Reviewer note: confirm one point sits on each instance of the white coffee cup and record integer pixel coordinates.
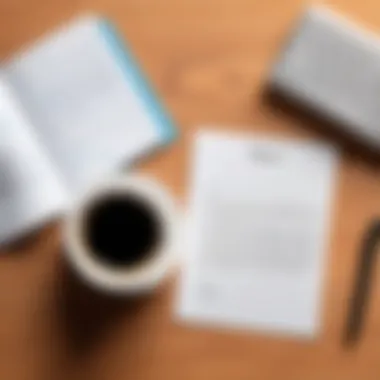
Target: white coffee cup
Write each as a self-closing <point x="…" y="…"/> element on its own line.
<point x="140" y="277"/>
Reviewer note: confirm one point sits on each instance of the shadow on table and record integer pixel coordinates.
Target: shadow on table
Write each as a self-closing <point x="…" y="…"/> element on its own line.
<point x="277" y="104"/>
<point x="86" y="317"/>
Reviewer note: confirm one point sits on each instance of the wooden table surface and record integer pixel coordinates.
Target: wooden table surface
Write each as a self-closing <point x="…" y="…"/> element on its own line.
<point x="208" y="60"/>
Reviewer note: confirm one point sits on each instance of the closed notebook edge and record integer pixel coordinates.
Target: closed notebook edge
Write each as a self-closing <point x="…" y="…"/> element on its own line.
<point x="125" y="59"/>
<point x="281" y="79"/>
<point x="312" y="13"/>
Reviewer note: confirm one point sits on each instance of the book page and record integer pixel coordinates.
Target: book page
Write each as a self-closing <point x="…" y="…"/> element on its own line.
<point x="258" y="222"/>
<point x="86" y="101"/>
<point x="30" y="189"/>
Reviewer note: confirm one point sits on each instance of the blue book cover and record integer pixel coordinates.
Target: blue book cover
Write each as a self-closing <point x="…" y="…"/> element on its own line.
<point x="134" y="76"/>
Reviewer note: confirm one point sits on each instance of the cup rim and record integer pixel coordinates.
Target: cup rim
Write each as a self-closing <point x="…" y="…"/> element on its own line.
<point x="135" y="278"/>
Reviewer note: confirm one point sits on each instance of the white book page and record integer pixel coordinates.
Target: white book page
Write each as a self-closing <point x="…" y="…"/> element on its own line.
<point x="30" y="189"/>
<point x="85" y="110"/>
<point x="259" y="214"/>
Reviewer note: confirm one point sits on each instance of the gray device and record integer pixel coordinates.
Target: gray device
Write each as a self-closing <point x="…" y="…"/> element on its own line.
<point x="333" y="67"/>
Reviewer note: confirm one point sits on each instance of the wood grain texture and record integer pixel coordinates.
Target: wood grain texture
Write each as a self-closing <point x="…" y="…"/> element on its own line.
<point x="208" y="60"/>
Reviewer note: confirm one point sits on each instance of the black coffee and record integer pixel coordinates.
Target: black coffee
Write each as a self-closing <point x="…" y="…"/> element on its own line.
<point x="122" y="230"/>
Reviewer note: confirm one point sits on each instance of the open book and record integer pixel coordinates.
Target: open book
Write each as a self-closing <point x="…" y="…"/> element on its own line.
<point x="72" y="108"/>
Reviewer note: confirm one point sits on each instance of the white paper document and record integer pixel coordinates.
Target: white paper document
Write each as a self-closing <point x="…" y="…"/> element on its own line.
<point x="257" y="230"/>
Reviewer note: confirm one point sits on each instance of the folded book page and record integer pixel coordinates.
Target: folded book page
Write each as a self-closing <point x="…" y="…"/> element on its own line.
<point x="31" y="190"/>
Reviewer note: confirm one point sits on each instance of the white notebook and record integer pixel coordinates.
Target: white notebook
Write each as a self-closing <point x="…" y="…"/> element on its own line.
<point x="258" y="231"/>
<point x="73" y="108"/>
